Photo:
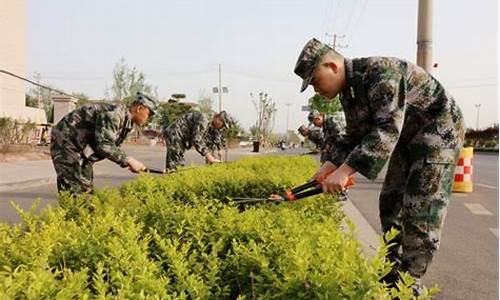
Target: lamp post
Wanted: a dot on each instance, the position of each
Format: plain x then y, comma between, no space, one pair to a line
287,116
220,89
478,106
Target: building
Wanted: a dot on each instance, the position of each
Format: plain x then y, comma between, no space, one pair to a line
13,24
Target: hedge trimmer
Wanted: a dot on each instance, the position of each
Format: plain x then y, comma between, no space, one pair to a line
308,189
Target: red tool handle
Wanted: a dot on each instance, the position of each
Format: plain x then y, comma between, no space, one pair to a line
317,190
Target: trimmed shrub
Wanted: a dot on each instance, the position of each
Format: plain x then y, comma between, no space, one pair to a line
180,236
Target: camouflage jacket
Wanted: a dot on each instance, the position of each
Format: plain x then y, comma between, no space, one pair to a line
214,138
316,136
188,130
333,129
103,127
388,101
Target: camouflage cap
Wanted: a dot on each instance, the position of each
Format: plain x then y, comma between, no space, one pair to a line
228,121
147,101
309,59
313,114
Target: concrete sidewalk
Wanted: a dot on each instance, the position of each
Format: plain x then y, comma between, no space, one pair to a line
25,174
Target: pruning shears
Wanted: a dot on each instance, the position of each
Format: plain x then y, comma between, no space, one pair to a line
165,171
155,170
296,193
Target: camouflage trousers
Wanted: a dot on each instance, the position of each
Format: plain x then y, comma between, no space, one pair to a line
414,199
174,154
74,173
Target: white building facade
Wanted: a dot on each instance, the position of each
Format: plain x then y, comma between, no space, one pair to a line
13,24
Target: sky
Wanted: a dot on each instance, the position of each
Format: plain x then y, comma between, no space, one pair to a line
179,45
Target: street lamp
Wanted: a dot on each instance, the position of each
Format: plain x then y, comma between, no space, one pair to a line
220,90
478,106
287,115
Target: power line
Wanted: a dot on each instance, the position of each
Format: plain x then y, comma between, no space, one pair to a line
351,13
356,23
35,83
334,17
328,12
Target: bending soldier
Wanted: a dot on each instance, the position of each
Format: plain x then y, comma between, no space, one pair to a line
190,131
100,128
315,135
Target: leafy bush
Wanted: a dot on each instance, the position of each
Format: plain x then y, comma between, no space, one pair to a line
180,237
13,132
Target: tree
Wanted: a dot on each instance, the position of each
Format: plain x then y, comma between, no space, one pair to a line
170,111
324,105
82,99
232,133
127,82
42,98
205,104
266,112
30,101
484,138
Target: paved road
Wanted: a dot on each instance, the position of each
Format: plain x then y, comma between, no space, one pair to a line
466,266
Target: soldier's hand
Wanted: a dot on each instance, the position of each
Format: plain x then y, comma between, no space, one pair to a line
135,166
211,159
326,169
337,181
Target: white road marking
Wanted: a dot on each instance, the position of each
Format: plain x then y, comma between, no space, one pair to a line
494,231
477,209
487,186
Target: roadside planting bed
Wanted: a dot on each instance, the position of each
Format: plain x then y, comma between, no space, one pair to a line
179,236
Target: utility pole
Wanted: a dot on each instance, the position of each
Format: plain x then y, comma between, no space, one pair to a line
334,43
287,116
424,35
37,78
478,106
221,89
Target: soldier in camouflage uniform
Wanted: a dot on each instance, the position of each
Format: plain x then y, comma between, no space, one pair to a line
315,135
394,110
190,131
332,127
99,129
215,141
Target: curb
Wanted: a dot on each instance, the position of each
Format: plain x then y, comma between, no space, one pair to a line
366,235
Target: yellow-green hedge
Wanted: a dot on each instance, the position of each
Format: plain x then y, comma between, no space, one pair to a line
177,237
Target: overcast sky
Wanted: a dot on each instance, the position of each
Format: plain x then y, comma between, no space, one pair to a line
178,45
